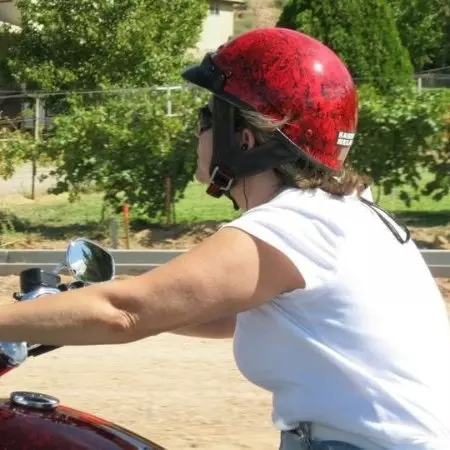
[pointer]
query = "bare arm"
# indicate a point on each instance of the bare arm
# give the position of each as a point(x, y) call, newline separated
point(228, 273)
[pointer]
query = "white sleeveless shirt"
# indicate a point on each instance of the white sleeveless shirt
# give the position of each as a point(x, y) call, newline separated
point(365, 347)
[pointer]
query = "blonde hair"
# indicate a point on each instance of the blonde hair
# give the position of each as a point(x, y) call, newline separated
point(301, 173)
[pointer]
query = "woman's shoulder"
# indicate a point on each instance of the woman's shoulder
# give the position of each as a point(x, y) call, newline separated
point(311, 203)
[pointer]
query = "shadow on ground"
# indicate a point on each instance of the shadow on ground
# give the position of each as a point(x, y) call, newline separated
point(424, 218)
point(12, 223)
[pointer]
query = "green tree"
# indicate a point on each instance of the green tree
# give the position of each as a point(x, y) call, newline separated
point(362, 32)
point(424, 27)
point(7, 37)
point(15, 147)
point(120, 143)
point(443, 54)
point(126, 43)
point(126, 147)
point(401, 136)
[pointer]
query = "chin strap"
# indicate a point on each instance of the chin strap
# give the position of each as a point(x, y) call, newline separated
point(223, 178)
point(221, 184)
point(231, 162)
point(235, 205)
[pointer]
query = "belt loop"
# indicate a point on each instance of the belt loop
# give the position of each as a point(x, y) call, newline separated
point(304, 430)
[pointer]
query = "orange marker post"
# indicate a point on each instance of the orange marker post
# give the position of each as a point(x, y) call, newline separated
point(126, 223)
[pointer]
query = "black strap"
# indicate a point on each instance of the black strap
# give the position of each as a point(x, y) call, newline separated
point(380, 212)
point(266, 156)
point(229, 162)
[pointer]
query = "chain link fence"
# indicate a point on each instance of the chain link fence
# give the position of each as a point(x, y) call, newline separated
point(34, 113)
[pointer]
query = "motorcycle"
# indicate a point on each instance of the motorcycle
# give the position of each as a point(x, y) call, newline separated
point(32, 420)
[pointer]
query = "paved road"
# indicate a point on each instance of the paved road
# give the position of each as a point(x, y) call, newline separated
point(20, 183)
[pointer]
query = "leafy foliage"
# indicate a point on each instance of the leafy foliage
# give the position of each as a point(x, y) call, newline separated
point(127, 43)
point(7, 39)
point(15, 147)
point(403, 135)
point(362, 32)
point(424, 27)
point(123, 145)
point(126, 147)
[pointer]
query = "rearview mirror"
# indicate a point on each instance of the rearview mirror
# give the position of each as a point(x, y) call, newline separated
point(88, 262)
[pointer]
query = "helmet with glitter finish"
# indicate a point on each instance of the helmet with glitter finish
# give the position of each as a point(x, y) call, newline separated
point(284, 74)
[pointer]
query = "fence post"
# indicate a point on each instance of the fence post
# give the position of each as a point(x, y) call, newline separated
point(126, 223)
point(37, 106)
point(419, 84)
point(114, 234)
point(169, 102)
point(168, 201)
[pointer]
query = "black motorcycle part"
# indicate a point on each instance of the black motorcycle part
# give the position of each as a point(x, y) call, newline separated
point(34, 278)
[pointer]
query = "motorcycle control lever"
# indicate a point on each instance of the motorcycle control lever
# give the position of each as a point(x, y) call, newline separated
point(12, 354)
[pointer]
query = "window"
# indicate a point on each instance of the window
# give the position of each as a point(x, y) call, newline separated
point(214, 8)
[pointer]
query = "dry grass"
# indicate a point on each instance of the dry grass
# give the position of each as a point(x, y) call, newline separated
point(265, 12)
point(258, 14)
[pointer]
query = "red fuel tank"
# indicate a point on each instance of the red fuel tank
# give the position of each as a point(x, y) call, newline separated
point(37, 421)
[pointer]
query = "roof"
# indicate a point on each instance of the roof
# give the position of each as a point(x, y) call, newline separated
point(237, 2)
point(9, 12)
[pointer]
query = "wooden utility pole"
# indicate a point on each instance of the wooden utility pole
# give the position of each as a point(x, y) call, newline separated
point(37, 107)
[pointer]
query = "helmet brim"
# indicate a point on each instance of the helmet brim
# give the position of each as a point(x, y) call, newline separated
point(206, 75)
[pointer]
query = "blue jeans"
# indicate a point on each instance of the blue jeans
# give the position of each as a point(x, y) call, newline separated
point(292, 441)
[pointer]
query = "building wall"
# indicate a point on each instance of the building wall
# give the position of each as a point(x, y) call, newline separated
point(218, 26)
point(9, 13)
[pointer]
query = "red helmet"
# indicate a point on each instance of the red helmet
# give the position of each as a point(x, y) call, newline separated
point(280, 73)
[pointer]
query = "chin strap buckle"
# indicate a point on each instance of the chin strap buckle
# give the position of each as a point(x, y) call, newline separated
point(221, 182)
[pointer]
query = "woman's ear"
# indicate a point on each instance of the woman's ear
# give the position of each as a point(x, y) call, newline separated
point(247, 139)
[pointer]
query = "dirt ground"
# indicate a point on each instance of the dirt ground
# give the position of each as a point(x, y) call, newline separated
point(180, 392)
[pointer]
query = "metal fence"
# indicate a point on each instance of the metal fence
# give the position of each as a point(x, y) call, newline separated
point(432, 81)
point(34, 112)
point(30, 110)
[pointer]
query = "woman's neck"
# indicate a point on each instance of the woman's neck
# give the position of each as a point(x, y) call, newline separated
point(256, 190)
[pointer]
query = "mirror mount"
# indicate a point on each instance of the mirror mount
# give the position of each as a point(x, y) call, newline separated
point(59, 268)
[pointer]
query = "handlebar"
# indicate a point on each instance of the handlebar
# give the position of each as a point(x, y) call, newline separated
point(13, 354)
point(86, 261)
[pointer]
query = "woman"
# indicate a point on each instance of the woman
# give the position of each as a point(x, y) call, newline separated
point(331, 305)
